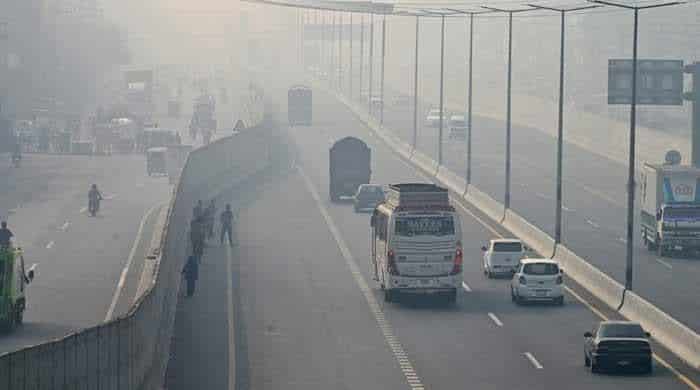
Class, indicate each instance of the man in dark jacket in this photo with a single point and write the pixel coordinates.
(191, 272)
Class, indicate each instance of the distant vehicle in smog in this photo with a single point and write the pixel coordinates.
(617, 345)
(458, 127)
(300, 106)
(156, 161)
(670, 207)
(349, 167)
(433, 118)
(368, 196)
(502, 257)
(14, 278)
(416, 246)
(537, 280)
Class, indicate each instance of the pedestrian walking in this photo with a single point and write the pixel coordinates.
(226, 219)
(197, 236)
(191, 273)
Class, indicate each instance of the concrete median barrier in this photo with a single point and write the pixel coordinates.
(678, 338)
(488, 205)
(450, 180)
(533, 236)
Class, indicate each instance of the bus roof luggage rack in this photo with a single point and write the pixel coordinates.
(417, 195)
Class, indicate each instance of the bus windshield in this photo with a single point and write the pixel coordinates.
(409, 226)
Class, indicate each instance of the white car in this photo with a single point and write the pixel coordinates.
(433, 118)
(458, 127)
(538, 280)
(502, 257)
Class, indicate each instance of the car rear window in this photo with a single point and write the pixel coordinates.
(541, 269)
(507, 247)
(621, 330)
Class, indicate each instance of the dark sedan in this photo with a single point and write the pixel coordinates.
(618, 345)
(368, 196)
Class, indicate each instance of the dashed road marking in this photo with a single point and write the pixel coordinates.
(532, 360)
(664, 263)
(542, 196)
(495, 319)
(622, 240)
(50, 245)
(83, 210)
(65, 226)
(125, 271)
(412, 379)
(567, 209)
(595, 225)
(466, 287)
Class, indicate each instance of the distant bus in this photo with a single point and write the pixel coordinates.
(299, 105)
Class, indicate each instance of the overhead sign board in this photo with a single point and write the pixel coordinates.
(659, 82)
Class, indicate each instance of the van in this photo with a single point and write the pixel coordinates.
(502, 257)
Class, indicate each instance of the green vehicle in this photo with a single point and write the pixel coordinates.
(13, 283)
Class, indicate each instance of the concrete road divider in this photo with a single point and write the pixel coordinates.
(533, 236)
(450, 180)
(426, 164)
(488, 205)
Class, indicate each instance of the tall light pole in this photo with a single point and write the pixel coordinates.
(340, 52)
(442, 86)
(633, 125)
(362, 51)
(371, 61)
(350, 60)
(415, 87)
(506, 197)
(381, 86)
(560, 127)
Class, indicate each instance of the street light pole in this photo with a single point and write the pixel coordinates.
(350, 60)
(442, 85)
(371, 61)
(340, 53)
(560, 123)
(381, 86)
(629, 263)
(362, 51)
(415, 88)
(506, 197)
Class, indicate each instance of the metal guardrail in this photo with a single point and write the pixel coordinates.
(132, 351)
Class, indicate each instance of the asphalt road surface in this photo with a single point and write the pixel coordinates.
(293, 305)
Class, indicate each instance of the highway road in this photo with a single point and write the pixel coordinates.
(594, 214)
(293, 305)
(88, 268)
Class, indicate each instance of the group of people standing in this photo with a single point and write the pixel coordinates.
(202, 229)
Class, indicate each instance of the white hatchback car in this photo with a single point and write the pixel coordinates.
(538, 280)
(502, 257)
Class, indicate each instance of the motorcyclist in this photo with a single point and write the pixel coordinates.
(94, 198)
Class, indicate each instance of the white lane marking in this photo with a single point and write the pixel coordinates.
(466, 287)
(532, 360)
(399, 354)
(622, 240)
(595, 225)
(109, 197)
(542, 196)
(567, 209)
(83, 210)
(50, 245)
(231, 327)
(125, 271)
(65, 225)
(664, 263)
(495, 319)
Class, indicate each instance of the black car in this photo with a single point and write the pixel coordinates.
(618, 345)
(368, 196)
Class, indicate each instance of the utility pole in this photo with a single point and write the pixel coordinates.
(694, 97)
(362, 51)
(632, 145)
(381, 86)
(442, 86)
(350, 61)
(506, 197)
(340, 53)
(371, 60)
(560, 127)
(415, 88)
